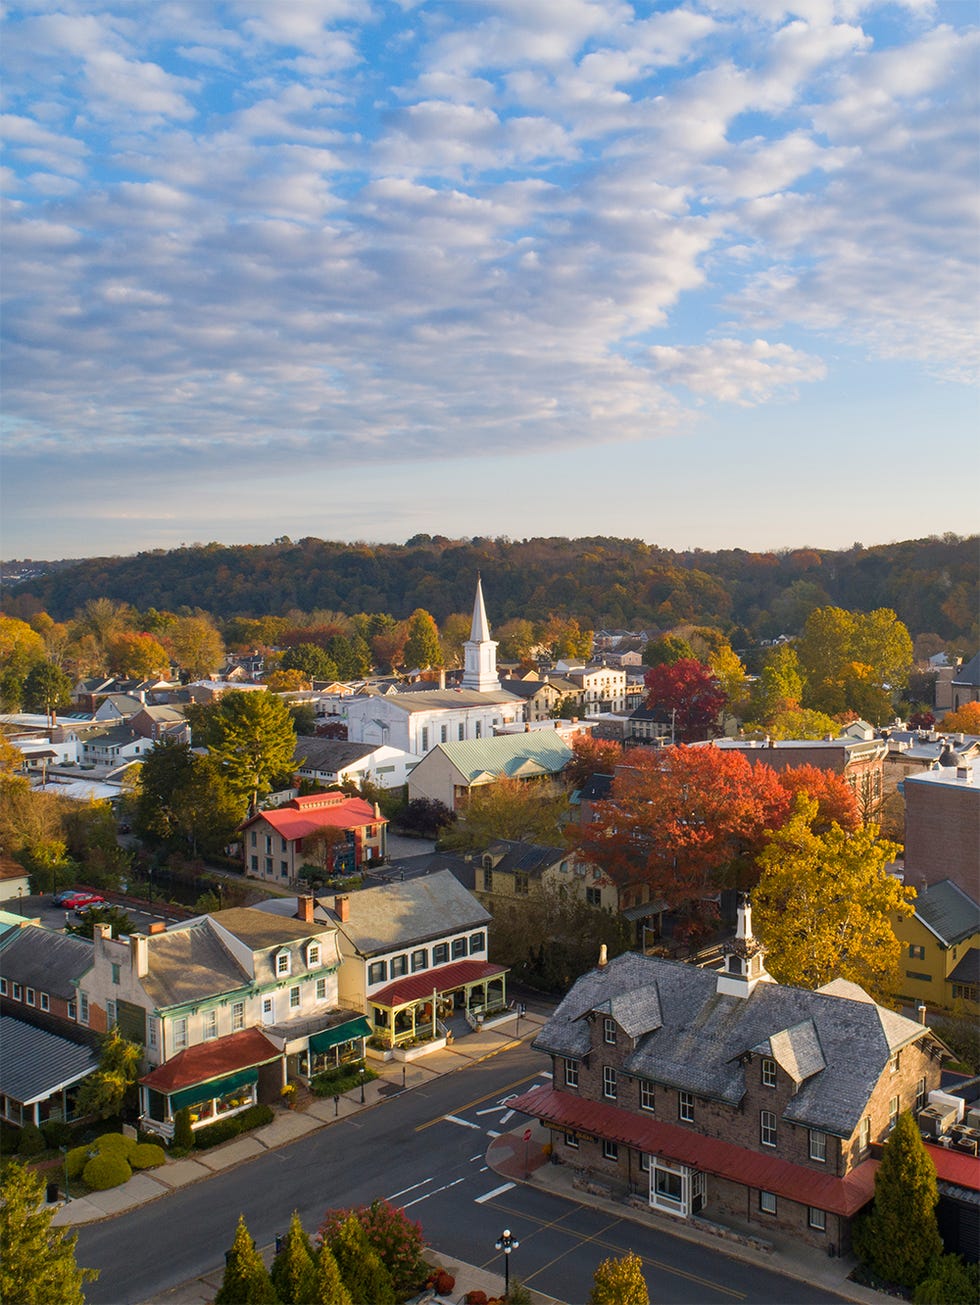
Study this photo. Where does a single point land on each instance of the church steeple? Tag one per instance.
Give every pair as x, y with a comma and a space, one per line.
480, 669
743, 955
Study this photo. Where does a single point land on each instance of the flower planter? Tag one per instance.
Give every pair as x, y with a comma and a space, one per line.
378, 1053
420, 1049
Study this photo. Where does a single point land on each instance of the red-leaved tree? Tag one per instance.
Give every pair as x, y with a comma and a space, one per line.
592, 756
692, 692
836, 803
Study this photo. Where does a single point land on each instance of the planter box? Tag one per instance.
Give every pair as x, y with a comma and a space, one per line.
376, 1053
423, 1049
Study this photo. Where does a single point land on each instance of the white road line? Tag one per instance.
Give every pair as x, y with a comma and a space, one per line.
476, 1157
408, 1189
492, 1111
491, 1133
546, 1074
497, 1191
455, 1119
506, 1116
419, 1199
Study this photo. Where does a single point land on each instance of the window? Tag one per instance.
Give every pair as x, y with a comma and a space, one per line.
180, 1034
610, 1151
425, 738
894, 1063
321, 989
919, 976
920, 1094
268, 865
478, 943
571, 1141
768, 1072
443, 733
255, 863
3, 987
294, 998
282, 963
685, 1107
115, 973
152, 1032
440, 954
593, 896
377, 971
420, 960
520, 884
767, 1202
268, 842
892, 1113
488, 881
462, 733
254, 839
609, 1082
399, 966
72, 1011
864, 1134
31, 997
571, 1073
817, 1219
45, 1001
237, 1016
210, 1024
767, 1128
818, 1146
478, 730
646, 1096
82, 1007
668, 1185
284, 869
110, 1014
916, 953
644, 1163
459, 948
609, 1031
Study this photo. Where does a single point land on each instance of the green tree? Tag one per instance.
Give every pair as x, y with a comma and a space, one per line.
328, 1285
115, 916
103, 1093
516, 640
898, 1239
824, 905
309, 658
801, 723
780, 684
620, 1282
46, 688
422, 648
950, 1281
246, 1280
847, 658
252, 737
666, 651
183, 1132
185, 797
392, 1235
293, 1270
453, 634
38, 1265
534, 811
365, 1277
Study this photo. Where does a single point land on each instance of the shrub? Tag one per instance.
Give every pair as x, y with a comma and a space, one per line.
107, 1169
147, 1155
950, 1281
183, 1133
117, 1143
56, 1132
396, 1239
31, 1141
224, 1129
444, 1283
476, 1297
518, 1294
76, 1160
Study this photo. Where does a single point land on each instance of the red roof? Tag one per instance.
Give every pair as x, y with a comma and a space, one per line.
415, 987
298, 820
569, 1113
212, 1060
957, 1167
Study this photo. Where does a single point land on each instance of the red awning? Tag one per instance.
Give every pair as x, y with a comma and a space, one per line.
417, 987
569, 1113
210, 1060
956, 1167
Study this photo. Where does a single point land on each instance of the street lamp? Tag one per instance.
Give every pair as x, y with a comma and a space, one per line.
506, 1242
361, 1072
64, 1152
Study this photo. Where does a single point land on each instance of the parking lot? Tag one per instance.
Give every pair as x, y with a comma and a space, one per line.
40, 908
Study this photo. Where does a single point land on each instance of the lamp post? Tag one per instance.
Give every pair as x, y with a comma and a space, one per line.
64, 1153
361, 1072
506, 1242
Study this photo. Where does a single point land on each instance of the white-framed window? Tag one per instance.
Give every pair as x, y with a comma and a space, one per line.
767, 1202
685, 1107
237, 1016
313, 955
767, 1128
425, 738
179, 1028
644, 1163
609, 1031
894, 1062
420, 960
571, 1073
152, 1032
294, 998
110, 1014
768, 1072
610, 1150
45, 1001
892, 1113
17, 991
72, 1011
282, 963
571, 1141
377, 971
443, 733
321, 989
817, 1218
210, 1025
83, 1008
920, 1094
609, 1087
3, 987
30, 996
864, 1134
646, 1095
818, 1146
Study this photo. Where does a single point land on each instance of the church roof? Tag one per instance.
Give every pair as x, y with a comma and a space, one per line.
480, 629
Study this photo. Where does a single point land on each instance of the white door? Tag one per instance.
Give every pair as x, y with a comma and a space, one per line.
268, 1010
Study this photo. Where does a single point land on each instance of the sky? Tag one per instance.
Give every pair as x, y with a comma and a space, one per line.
699, 273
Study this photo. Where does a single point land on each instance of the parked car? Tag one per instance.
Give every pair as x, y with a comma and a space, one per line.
62, 897
95, 905
78, 898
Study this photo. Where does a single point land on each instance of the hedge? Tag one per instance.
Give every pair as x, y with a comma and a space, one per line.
147, 1155
107, 1169
117, 1143
225, 1129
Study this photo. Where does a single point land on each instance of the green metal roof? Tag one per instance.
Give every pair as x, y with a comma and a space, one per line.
509, 754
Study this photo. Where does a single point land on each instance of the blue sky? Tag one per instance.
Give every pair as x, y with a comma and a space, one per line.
700, 273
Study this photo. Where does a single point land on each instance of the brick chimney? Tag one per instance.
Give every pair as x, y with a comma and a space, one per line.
304, 908
342, 906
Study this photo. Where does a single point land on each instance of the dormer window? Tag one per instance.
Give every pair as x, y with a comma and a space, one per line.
609, 1031
313, 956
768, 1072
283, 966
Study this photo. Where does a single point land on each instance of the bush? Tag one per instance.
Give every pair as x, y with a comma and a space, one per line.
444, 1283
225, 1129
118, 1143
950, 1281
341, 1079
392, 1235
31, 1141
518, 1294
183, 1133
476, 1297
76, 1160
147, 1155
56, 1132
107, 1169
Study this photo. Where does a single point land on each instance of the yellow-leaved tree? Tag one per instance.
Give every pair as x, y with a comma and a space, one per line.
825, 903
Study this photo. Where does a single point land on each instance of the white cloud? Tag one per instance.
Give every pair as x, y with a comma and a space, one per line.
737, 371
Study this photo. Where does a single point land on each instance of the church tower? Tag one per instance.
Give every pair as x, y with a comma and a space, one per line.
744, 966
480, 670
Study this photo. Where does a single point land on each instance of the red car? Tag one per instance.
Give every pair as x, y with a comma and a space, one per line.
75, 900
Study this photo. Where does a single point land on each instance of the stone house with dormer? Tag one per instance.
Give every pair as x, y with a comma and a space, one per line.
727, 1093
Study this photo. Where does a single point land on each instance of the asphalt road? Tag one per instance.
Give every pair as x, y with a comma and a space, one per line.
424, 1150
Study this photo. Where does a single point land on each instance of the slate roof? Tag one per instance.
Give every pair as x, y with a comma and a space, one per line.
400, 914
968, 968
35, 1063
190, 963
698, 1046
507, 754
948, 912
329, 754
970, 673
260, 930
510, 855
48, 961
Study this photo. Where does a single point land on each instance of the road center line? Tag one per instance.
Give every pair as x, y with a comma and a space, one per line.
419, 1199
408, 1189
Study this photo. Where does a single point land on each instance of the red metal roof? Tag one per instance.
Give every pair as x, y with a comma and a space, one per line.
212, 1060
562, 1110
958, 1167
415, 987
294, 822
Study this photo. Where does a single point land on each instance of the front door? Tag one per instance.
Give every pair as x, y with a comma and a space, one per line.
268, 1010
676, 1188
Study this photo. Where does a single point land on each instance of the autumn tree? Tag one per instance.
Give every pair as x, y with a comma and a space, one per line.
667, 650
361, 1269
136, 655
825, 902
592, 756
836, 803
533, 811
801, 723
565, 638
38, 1265
898, 1238
685, 821
320, 850
291, 681
395, 1238
516, 640
690, 691
195, 645
102, 1094
848, 658
252, 736
620, 1282
554, 936
20, 649
422, 648
453, 634
293, 1271
246, 1280
965, 720
779, 687
314, 662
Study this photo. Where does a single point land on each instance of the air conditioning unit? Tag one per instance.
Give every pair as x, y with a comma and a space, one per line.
948, 1102
935, 1120
973, 1117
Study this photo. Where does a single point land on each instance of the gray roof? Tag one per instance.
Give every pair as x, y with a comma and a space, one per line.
510, 855
35, 1063
703, 1035
329, 754
189, 964
48, 961
970, 673
949, 912
449, 699
400, 914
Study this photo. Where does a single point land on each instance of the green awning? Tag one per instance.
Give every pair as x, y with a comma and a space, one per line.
217, 1087
359, 1028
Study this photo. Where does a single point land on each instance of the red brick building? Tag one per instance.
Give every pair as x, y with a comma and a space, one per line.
942, 827
276, 842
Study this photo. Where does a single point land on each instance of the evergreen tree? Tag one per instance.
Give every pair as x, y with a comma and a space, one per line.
620, 1282
365, 1277
183, 1133
252, 736
423, 647
38, 1265
246, 1280
898, 1239
293, 1270
46, 688
104, 1092
328, 1285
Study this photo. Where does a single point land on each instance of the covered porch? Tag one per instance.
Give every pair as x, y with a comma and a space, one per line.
38, 1071
411, 1009
314, 1045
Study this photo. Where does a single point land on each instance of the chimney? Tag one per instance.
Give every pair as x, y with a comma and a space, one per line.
603, 957
304, 908
965, 773
139, 953
442, 677
922, 1014
342, 906
157, 926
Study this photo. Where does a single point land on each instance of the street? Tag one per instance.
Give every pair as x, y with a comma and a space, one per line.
424, 1150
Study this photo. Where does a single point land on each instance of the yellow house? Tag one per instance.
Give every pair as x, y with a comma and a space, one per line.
509, 871
941, 948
